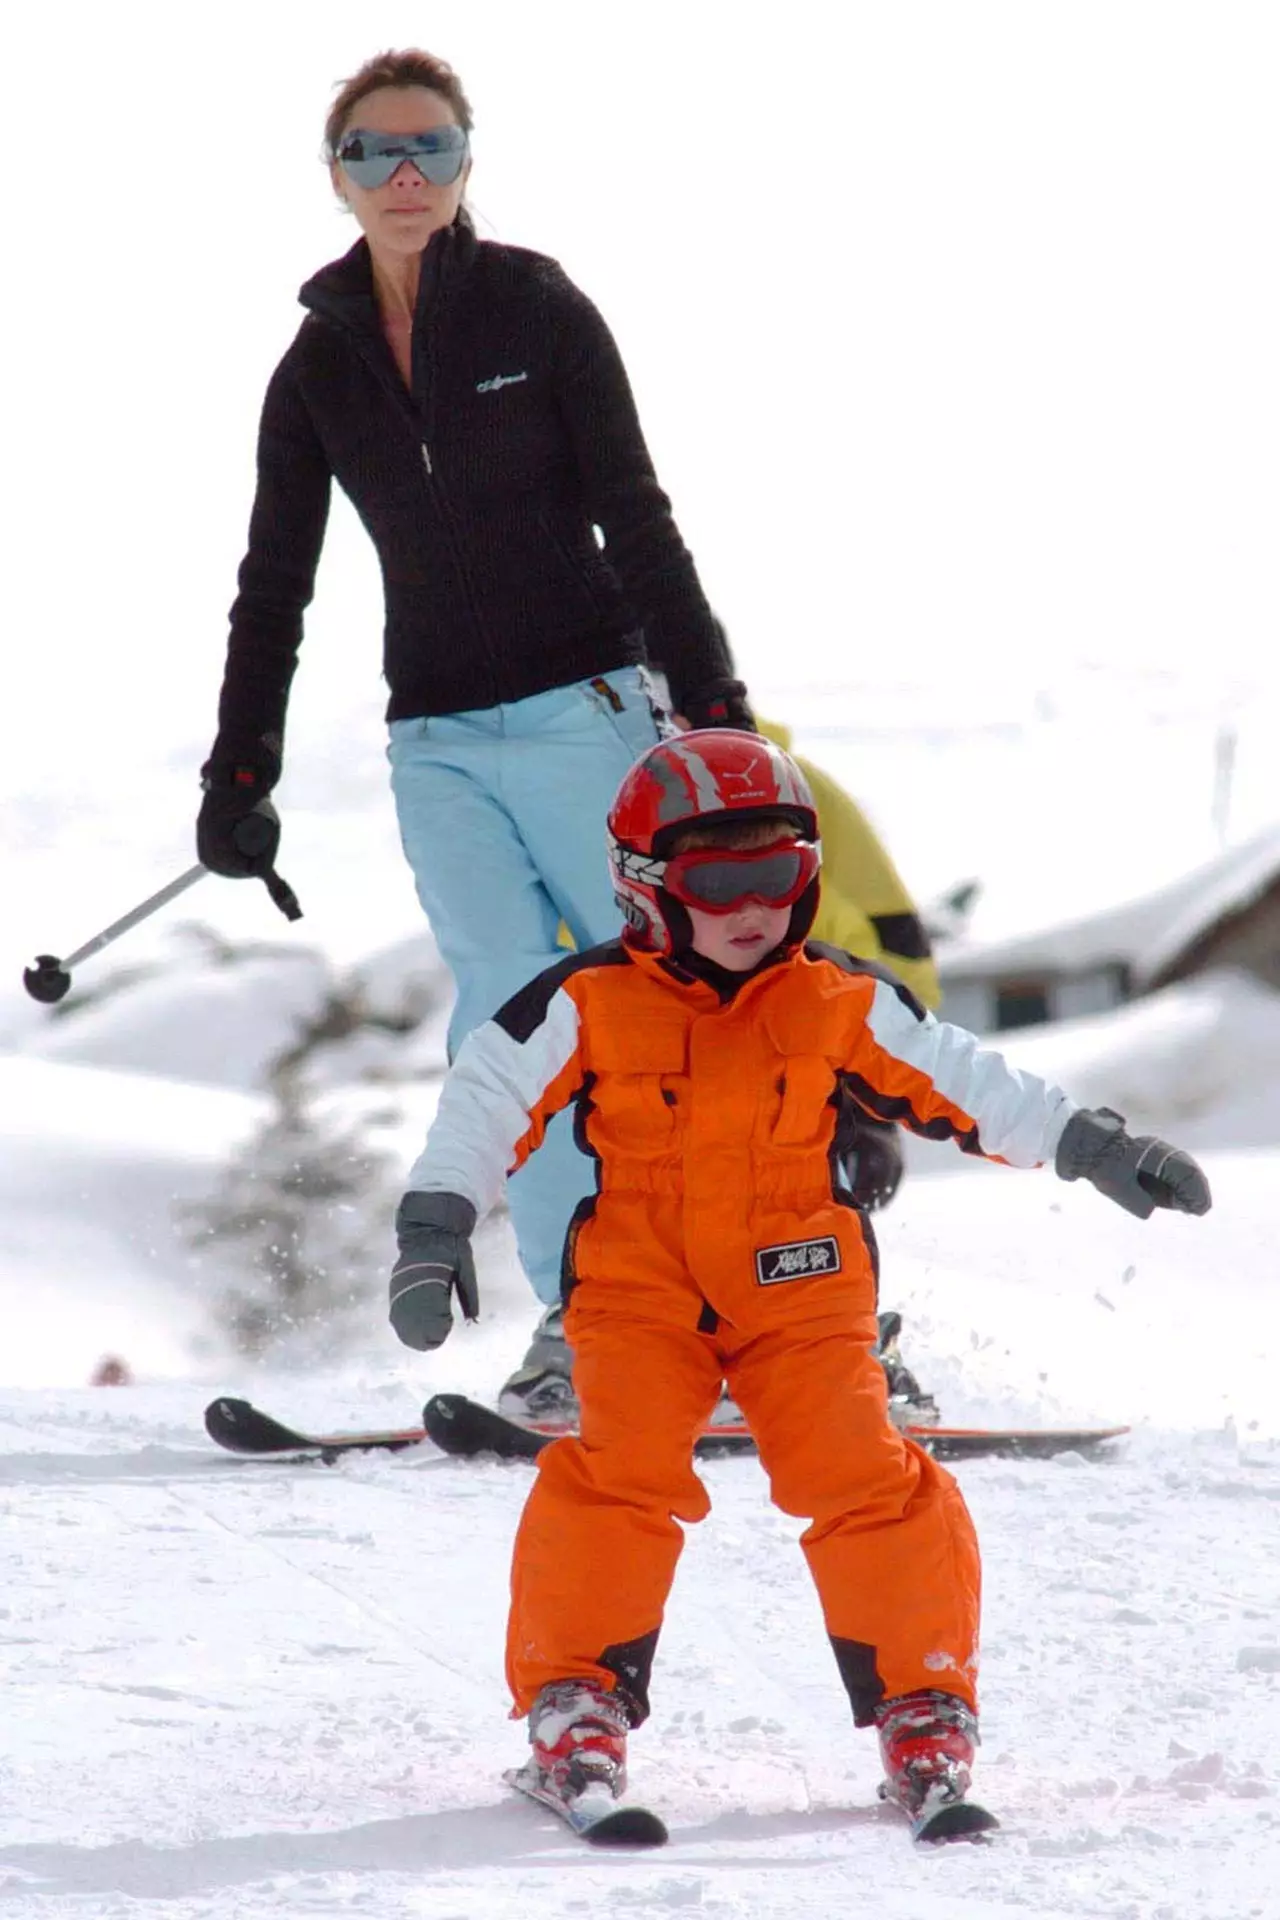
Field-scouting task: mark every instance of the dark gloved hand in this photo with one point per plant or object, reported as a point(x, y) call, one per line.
point(723, 703)
point(237, 829)
point(871, 1154)
point(1139, 1174)
point(434, 1232)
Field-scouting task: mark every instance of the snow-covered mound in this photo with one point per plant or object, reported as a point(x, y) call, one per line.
point(225, 1016)
point(1201, 1059)
point(206, 1020)
point(96, 1166)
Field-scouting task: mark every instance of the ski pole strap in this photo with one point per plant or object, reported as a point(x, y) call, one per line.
point(283, 894)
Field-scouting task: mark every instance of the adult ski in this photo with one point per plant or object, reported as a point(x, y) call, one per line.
point(591, 1815)
point(465, 1427)
point(1009, 1443)
point(243, 1428)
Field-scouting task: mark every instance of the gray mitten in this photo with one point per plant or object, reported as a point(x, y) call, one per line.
point(433, 1230)
point(1139, 1174)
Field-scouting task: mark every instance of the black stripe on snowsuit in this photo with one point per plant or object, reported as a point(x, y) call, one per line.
point(522, 1015)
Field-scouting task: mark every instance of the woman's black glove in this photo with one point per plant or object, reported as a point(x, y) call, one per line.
point(237, 828)
point(1139, 1174)
point(871, 1154)
point(236, 840)
point(434, 1233)
point(723, 703)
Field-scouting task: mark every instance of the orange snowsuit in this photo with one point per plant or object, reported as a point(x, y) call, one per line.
point(717, 1246)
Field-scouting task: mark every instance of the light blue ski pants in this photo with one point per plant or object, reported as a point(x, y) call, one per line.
point(502, 818)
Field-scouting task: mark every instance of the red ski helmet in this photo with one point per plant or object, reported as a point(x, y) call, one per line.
point(704, 777)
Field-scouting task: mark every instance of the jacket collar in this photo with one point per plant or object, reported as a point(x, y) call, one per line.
point(695, 976)
point(343, 291)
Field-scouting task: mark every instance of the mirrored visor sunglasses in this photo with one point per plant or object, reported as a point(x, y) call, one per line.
point(717, 881)
point(371, 158)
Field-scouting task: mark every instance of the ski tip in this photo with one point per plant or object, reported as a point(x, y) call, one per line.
point(443, 1420)
point(464, 1427)
point(447, 1406)
point(627, 1827)
point(226, 1416)
point(962, 1820)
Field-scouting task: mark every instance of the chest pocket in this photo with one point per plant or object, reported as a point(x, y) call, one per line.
point(640, 1068)
point(805, 1116)
point(806, 1075)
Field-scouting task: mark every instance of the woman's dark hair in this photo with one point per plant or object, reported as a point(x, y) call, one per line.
point(410, 67)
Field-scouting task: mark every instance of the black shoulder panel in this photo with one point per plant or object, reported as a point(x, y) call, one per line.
point(850, 963)
point(903, 934)
point(526, 1010)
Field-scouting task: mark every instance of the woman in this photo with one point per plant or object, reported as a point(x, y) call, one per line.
point(472, 403)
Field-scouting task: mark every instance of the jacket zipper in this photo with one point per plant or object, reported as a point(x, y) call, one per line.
point(418, 416)
point(421, 395)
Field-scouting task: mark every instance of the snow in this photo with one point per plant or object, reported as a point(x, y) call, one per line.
point(279, 1689)
point(992, 528)
point(238, 1686)
point(206, 1023)
point(93, 1165)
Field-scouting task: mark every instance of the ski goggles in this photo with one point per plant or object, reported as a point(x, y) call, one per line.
point(717, 881)
point(372, 158)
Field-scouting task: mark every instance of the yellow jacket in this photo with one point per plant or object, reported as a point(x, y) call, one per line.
point(865, 908)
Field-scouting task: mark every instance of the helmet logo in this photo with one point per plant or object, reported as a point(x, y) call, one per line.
point(745, 774)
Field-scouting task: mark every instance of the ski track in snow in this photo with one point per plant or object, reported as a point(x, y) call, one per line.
point(241, 1687)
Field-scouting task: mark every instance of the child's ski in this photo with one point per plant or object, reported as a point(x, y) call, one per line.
point(592, 1815)
point(949, 1819)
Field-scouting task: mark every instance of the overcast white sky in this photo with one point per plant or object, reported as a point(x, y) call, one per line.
point(953, 327)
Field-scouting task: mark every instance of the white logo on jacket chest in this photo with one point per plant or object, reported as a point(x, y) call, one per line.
point(500, 380)
point(796, 1260)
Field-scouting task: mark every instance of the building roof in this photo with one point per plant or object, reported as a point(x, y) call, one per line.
point(1146, 935)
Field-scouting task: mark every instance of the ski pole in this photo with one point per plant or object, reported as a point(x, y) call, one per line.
point(50, 978)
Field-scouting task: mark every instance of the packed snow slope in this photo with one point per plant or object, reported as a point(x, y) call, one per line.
point(241, 1688)
point(236, 1687)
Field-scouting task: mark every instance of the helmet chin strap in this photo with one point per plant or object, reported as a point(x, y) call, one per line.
point(804, 913)
point(679, 925)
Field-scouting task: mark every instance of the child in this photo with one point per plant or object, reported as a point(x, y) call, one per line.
point(865, 908)
point(706, 1053)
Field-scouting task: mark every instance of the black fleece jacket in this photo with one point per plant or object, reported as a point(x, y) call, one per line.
point(481, 489)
